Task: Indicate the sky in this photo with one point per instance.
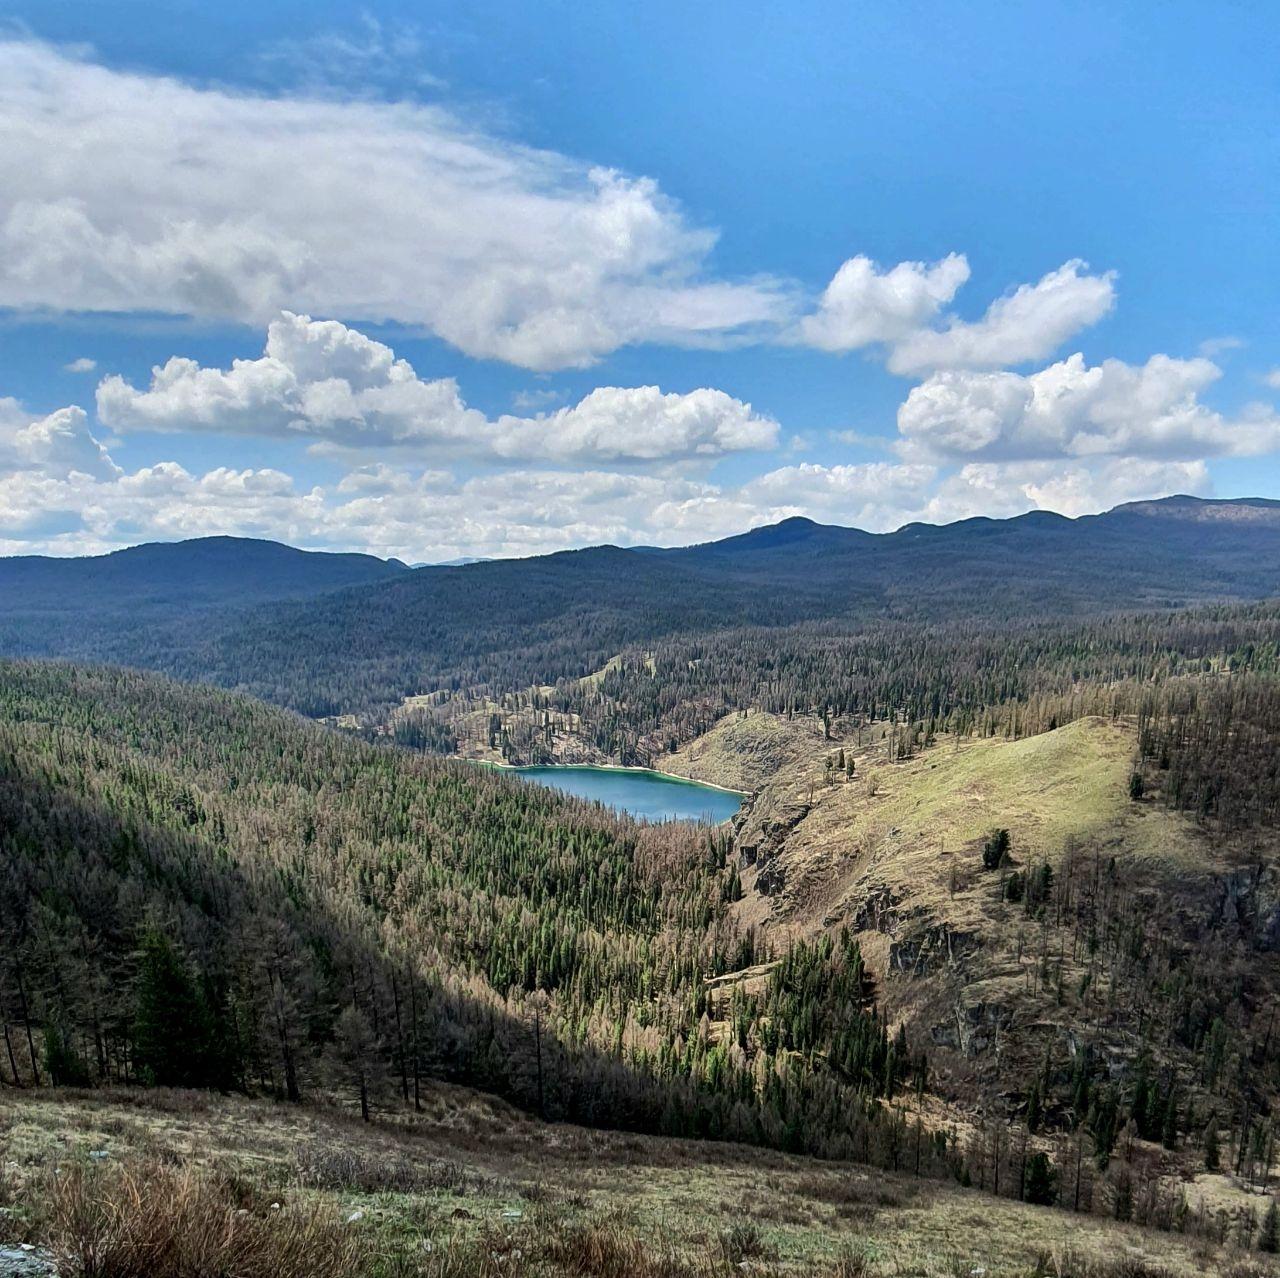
(490, 279)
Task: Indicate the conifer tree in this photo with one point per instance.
(1042, 1180)
(1212, 1156)
(172, 1030)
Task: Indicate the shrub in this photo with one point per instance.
(995, 851)
(741, 1241)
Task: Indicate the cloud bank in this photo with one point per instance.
(131, 192)
(1073, 410)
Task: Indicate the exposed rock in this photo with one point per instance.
(1250, 906)
(976, 1028)
(878, 910)
(772, 878)
(768, 838)
(25, 1262)
(931, 949)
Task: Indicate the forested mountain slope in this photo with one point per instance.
(506, 625)
(203, 890)
(174, 576)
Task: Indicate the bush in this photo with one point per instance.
(741, 1241)
(63, 1064)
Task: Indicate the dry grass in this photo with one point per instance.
(924, 823)
(155, 1221)
(586, 1251)
(472, 1191)
(745, 752)
(321, 1165)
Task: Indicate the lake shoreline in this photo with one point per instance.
(614, 767)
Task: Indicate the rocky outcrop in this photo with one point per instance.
(1248, 906)
(25, 1261)
(931, 949)
(877, 910)
(761, 839)
(975, 1028)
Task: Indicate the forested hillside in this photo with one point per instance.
(964, 676)
(167, 577)
(204, 891)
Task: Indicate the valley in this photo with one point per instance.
(984, 911)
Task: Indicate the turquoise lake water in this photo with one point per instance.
(651, 796)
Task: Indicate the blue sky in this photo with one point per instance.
(592, 273)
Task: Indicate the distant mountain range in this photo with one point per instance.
(327, 632)
(197, 573)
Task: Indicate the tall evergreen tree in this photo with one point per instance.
(172, 1030)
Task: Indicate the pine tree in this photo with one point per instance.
(355, 1050)
(995, 851)
(1042, 1180)
(172, 1030)
(64, 1066)
(1034, 1106)
(1212, 1157)
(1123, 1205)
(1169, 1125)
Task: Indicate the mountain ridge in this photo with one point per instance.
(329, 645)
(199, 570)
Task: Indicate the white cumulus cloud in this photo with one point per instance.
(1071, 409)
(323, 382)
(1030, 323)
(864, 305)
(123, 191)
(58, 445)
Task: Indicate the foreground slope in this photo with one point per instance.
(471, 1187)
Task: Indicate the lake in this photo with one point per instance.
(650, 796)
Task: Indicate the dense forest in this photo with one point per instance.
(1010, 676)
